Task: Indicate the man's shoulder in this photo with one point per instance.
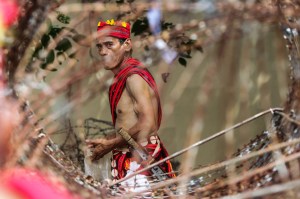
(134, 79)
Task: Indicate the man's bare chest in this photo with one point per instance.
(125, 105)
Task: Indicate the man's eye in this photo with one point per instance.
(109, 44)
(99, 46)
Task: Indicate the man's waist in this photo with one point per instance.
(151, 139)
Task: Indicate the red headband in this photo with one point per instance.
(116, 29)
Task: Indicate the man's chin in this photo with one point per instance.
(108, 67)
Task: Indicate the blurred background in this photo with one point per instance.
(225, 61)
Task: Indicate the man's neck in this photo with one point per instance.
(120, 66)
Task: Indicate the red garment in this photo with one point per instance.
(130, 67)
(121, 160)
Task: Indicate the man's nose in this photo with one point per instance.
(103, 51)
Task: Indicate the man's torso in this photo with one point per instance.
(127, 116)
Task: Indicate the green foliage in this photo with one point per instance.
(167, 25)
(62, 46)
(45, 40)
(140, 26)
(63, 18)
(50, 57)
(182, 61)
(181, 43)
(124, 1)
(54, 31)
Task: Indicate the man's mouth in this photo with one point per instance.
(107, 59)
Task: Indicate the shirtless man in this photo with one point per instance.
(134, 102)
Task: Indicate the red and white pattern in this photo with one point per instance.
(122, 160)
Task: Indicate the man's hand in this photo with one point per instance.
(100, 147)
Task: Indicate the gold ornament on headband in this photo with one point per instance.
(110, 22)
(124, 24)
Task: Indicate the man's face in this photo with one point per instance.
(111, 51)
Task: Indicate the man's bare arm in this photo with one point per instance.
(142, 97)
(146, 110)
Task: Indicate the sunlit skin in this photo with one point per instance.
(112, 52)
(137, 108)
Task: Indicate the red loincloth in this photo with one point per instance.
(121, 159)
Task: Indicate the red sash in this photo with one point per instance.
(130, 67)
(121, 160)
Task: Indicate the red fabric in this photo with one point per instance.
(115, 29)
(31, 184)
(121, 157)
(130, 67)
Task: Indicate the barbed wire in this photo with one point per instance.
(215, 135)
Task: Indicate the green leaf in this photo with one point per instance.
(167, 25)
(45, 40)
(182, 61)
(140, 26)
(63, 45)
(44, 65)
(63, 18)
(50, 57)
(119, 1)
(54, 31)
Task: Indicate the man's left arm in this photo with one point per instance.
(145, 107)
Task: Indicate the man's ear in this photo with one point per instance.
(127, 45)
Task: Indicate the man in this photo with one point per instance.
(134, 102)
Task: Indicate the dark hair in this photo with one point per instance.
(122, 42)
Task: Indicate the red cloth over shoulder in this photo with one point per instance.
(130, 67)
